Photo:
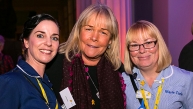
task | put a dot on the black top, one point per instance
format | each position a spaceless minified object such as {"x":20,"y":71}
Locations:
{"x":186,"y":57}
{"x":92,"y":70}
{"x":54,"y":71}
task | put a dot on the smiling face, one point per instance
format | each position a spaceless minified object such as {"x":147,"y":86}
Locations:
{"x":144,"y":58}
{"x":43,"y":43}
{"x":94,"y":39}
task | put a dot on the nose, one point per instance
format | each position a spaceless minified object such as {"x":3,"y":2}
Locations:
{"x":48,"y":42}
{"x":141,"y":48}
{"x":94,"y":36}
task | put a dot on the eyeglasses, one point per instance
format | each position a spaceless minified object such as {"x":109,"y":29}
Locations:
{"x":146,"y":45}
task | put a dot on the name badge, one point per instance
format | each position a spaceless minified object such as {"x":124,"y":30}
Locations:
{"x":67,"y":98}
{"x":139,"y":94}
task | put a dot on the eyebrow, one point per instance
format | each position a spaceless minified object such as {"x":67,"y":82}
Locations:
{"x":40,"y":32}
{"x":93,"y":27}
{"x":54,"y":34}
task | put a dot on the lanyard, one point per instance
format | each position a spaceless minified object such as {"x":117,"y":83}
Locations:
{"x":44,"y":94}
{"x":39,"y":83}
{"x":157,"y":96}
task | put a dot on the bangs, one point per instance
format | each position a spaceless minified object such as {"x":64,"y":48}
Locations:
{"x":141,"y":32}
{"x":101,"y":19}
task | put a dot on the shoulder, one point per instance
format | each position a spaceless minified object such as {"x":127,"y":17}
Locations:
{"x":188,"y":47}
{"x":181,"y":72}
{"x":181,"y":77}
{"x":57,"y":61}
{"x":121,"y":68}
{"x":55,"y":67}
{"x":11,"y":79}
{"x":126,"y":78}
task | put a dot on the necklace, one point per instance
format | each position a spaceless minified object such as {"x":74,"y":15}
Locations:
{"x":97,"y":94}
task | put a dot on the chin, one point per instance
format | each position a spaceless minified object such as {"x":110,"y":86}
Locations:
{"x":45,"y":61}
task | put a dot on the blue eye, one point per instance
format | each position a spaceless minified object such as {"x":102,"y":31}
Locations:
{"x":55,"y":38}
{"x":40,"y":36}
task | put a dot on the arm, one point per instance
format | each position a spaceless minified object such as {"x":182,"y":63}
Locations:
{"x":189,"y":92}
{"x":9,"y":92}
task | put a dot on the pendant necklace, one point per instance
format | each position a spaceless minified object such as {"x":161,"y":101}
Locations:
{"x":97,"y":94}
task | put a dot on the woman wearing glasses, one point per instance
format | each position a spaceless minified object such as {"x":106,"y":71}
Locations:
{"x":153,"y":82}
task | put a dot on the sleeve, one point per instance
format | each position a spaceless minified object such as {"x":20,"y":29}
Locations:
{"x":54,"y":71}
{"x":186,"y":58}
{"x":9,"y":93}
{"x":189,"y":92}
{"x":121,"y":69}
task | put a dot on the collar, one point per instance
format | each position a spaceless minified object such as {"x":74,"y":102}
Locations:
{"x":27,"y":69}
{"x":164,"y":74}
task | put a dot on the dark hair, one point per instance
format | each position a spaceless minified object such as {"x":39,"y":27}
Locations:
{"x":32,"y":22}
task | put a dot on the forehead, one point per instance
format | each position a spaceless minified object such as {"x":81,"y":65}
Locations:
{"x":47,"y":25}
{"x":98,"y":20}
{"x":140,"y":35}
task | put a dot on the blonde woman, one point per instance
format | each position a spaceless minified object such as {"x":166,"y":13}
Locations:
{"x":89,"y":61}
{"x":155,"y":83}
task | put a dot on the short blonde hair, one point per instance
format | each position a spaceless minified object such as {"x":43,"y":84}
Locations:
{"x":97,"y":10}
{"x":147,"y":28}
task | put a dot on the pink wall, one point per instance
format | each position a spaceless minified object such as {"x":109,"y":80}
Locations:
{"x":174,"y":19}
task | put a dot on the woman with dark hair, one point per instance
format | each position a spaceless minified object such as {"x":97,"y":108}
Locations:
{"x":27,"y":86}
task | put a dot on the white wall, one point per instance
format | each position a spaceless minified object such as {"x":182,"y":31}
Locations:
{"x":174,"y":19}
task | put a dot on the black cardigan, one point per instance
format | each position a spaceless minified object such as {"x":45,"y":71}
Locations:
{"x":54,"y":71}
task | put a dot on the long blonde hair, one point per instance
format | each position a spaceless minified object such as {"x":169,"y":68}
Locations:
{"x":71,"y":45}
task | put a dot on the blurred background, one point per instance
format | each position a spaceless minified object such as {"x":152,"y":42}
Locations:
{"x":173,"y":18}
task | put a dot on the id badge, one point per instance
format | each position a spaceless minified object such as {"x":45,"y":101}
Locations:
{"x":67,"y":99}
{"x":139,"y":94}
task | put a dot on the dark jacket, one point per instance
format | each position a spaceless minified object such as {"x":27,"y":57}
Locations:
{"x":186,"y":57}
{"x":16,"y":91}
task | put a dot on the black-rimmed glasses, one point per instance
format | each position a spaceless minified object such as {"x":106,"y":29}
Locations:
{"x":146,"y":45}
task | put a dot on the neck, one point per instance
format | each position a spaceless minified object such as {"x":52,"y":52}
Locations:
{"x":90,"y":61}
{"x":38,"y":67}
{"x":149,"y":76}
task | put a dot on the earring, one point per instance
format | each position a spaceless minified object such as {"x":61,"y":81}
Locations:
{"x":109,"y":46}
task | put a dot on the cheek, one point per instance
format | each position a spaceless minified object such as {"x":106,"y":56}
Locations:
{"x":83,"y":37}
{"x":56,"y":45}
{"x":133,"y":54}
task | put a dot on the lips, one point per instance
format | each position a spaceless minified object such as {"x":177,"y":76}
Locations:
{"x":46,"y":51}
{"x":143,"y":57}
{"x":92,"y":46}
